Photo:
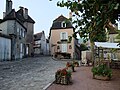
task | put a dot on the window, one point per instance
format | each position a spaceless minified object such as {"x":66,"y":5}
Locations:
{"x":18,"y":30}
{"x":64,"y":47}
{"x":21,"y":47}
{"x":63,"y":36}
{"x":63,"y":24}
{"x":21,"y":32}
{"x":24,"y":33}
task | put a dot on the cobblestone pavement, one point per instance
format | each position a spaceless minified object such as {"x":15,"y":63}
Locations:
{"x":28,"y":74}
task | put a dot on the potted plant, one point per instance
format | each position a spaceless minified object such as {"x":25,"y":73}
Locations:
{"x":63,"y":76}
{"x":70,"y":66}
{"x":102,"y":72}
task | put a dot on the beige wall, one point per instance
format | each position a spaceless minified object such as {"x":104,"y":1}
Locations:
{"x":55,"y":37}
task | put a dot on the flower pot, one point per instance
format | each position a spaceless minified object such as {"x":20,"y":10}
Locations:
{"x":105,"y":78}
{"x":57,"y":79}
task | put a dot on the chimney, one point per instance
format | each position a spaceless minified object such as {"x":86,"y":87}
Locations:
{"x":21,"y":7}
{"x":25,"y":13}
{"x":8,"y":6}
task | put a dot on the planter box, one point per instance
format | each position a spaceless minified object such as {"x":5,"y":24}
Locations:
{"x":64,"y":80}
{"x":105,"y":78}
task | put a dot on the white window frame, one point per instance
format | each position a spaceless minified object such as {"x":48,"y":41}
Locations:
{"x":63,"y":35}
{"x":63,"y":24}
{"x":64,"y":47}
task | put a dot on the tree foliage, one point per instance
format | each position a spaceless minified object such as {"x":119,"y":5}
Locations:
{"x":92,"y":17}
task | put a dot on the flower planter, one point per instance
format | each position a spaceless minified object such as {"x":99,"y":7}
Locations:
{"x":64,"y":80}
{"x":102,"y":72}
{"x":57,"y":79}
{"x":105,"y":78}
{"x":63,"y":77}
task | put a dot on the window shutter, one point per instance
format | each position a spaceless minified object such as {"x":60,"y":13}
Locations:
{"x":66,"y":35}
{"x":61,"y":36}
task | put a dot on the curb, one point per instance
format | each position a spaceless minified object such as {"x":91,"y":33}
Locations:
{"x":48,"y":85}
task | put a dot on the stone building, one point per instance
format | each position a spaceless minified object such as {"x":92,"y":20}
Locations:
{"x":20,"y":27}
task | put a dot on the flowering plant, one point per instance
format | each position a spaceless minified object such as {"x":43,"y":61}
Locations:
{"x":63,"y":76}
{"x":64,"y":72}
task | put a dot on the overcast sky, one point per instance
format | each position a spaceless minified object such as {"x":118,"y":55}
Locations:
{"x":42,"y":11}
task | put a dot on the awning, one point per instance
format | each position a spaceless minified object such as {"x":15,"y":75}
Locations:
{"x":107,"y":45}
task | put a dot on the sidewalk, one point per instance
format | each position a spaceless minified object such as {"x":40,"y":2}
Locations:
{"x":82,"y":80}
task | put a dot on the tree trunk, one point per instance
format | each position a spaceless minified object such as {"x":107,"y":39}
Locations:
{"x":92,"y":53}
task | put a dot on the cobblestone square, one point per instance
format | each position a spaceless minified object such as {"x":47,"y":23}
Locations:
{"x":29,"y":73}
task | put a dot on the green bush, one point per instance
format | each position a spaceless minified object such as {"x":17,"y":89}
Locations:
{"x":102,"y":70}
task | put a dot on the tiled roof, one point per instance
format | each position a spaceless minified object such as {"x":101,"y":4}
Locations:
{"x":38,"y":36}
{"x":57,"y":23}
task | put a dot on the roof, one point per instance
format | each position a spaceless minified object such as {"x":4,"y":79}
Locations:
{"x":60,"y":18}
{"x":57,"y":23}
{"x":18,"y":16}
{"x":12,"y":16}
{"x":38,"y":36}
{"x":107,"y":45}
{"x":21,"y":17}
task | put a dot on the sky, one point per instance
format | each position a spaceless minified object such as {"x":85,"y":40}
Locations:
{"x":42,"y":11}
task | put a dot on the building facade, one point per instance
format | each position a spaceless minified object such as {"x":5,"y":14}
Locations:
{"x":28,"y":23}
{"x":59,"y":38}
{"x":19,"y":26}
{"x":40,"y":44}
{"x":13,"y":28}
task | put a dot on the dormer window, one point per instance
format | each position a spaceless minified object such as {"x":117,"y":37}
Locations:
{"x":63,"y":24}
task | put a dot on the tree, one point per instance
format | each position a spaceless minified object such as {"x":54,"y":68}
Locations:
{"x":91,"y":18}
